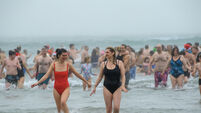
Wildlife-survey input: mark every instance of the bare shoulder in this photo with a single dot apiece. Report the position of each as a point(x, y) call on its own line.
point(120, 63)
point(102, 64)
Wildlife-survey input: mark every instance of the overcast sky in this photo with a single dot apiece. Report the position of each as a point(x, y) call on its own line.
point(26, 18)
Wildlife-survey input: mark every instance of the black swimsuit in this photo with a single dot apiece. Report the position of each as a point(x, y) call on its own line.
point(112, 78)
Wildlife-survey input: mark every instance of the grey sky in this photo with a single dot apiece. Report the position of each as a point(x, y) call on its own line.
point(24, 18)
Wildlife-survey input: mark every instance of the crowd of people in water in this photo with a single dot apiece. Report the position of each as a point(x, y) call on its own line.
point(117, 66)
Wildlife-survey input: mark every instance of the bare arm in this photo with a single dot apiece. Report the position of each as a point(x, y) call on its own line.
point(150, 63)
point(126, 60)
point(72, 69)
point(51, 68)
point(195, 70)
point(100, 77)
point(184, 62)
point(122, 69)
point(3, 65)
point(25, 66)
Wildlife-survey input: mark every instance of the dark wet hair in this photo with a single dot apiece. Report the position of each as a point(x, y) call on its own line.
point(94, 51)
point(196, 44)
point(146, 47)
point(60, 51)
point(71, 45)
point(11, 52)
point(195, 47)
point(113, 51)
point(182, 53)
point(151, 53)
point(146, 58)
point(124, 45)
point(19, 48)
point(175, 48)
point(199, 55)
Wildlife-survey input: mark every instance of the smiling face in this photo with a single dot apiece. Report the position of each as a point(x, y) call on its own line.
point(63, 56)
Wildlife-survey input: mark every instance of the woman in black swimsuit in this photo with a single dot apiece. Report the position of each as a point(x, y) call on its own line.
point(114, 81)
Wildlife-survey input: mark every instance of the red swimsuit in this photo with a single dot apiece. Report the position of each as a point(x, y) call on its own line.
point(61, 80)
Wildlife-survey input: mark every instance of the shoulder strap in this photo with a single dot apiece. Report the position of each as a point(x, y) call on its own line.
point(54, 66)
point(67, 67)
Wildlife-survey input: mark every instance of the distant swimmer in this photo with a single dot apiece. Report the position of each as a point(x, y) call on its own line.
point(86, 69)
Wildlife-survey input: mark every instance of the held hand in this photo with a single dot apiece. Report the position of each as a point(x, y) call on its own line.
point(124, 89)
point(33, 85)
point(93, 91)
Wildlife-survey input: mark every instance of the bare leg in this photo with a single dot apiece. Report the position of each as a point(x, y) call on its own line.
point(57, 99)
point(180, 81)
point(173, 80)
point(200, 90)
point(108, 100)
point(117, 100)
point(21, 82)
point(64, 98)
point(185, 79)
point(89, 87)
point(84, 86)
point(7, 84)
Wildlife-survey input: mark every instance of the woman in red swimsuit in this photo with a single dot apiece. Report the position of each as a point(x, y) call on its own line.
point(61, 91)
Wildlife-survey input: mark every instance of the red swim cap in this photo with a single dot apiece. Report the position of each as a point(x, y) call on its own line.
point(187, 46)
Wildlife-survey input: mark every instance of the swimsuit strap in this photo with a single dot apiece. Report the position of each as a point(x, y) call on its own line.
point(67, 67)
point(54, 66)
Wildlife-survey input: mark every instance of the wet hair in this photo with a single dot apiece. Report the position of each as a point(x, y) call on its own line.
point(94, 51)
point(16, 50)
point(124, 45)
point(196, 44)
point(197, 59)
point(71, 45)
point(163, 47)
point(113, 51)
point(86, 59)
point(60, 51)
point(146, 58)
point(151, 53)
point(38, 51)
point(175, 48)
point(19, 48)
point(195, 47)
point(182, 53)
point(146, 47)
point(11, 52)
